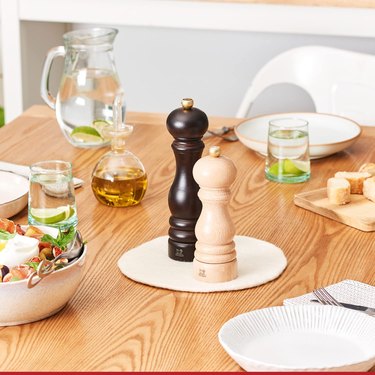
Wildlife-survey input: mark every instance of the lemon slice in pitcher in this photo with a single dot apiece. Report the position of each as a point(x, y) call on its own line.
point(99, 125)
point(86, 134)
point(52, 215)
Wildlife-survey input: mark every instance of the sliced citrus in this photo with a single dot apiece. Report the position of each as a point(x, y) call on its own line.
point(276, 169)
point(71, 213)
point(296, 167)
point(86, 134)
point(3, 244)
point(52, 215)
point(303, 166)
point(99, 125)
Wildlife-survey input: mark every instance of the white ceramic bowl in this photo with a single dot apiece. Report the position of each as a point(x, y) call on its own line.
point(328, 134)
point(14, 191)
point(19, 304)
point(301, 338)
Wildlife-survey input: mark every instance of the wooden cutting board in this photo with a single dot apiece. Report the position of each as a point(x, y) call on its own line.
point(359, 213)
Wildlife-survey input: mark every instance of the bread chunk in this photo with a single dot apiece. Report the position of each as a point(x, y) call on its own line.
point(355, 179)
point(368, 167)
point(369, 188)
point(338, 190)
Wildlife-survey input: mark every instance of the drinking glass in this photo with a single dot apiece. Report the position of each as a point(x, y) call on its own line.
point(288, 159)
point(51, 195)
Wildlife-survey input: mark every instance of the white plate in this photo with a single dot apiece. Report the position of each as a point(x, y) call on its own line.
point(301, 338)
point(13, 194)
point(328, 134)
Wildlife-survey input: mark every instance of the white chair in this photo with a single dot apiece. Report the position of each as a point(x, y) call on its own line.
point(338, 81)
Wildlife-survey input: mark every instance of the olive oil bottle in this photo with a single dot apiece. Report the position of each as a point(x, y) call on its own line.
point(125, 187)
point(119, 178)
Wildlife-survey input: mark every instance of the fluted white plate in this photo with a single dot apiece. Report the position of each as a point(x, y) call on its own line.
point(328, 133)
point(301, 338)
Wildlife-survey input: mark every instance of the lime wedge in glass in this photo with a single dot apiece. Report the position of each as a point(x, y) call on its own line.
point(296, 167)
point(52, 215)
point(277, 168)
point(86, 134)
point(289, 167)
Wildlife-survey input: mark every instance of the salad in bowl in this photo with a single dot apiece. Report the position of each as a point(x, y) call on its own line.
point(23, 251)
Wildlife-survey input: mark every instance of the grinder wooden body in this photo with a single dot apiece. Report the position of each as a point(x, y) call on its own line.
point(187, 125)
point(215, 254)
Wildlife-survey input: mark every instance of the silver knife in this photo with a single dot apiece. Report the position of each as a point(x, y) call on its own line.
point(365, 309)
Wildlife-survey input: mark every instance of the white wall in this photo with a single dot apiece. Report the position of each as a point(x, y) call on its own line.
point(159, 66)
point(36, 39)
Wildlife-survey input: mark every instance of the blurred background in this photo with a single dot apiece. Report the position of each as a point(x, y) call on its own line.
point(160, 65)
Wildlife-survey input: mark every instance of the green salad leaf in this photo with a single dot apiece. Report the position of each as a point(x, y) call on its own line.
point(63, 238)
point(4, 235)
point(33, 265)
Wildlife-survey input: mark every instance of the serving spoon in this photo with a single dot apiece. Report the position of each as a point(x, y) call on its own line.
point(45, 267)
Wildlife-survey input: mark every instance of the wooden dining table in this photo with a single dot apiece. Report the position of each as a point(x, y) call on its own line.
point(113, 323)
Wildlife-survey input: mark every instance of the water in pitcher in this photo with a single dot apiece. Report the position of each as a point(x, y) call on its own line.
point(84, 105)
point(88, 85)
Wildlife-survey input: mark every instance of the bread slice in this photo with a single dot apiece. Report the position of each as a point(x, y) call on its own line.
point(338, 190)
point(368, 167)
point(369, 188)
point(355, 179)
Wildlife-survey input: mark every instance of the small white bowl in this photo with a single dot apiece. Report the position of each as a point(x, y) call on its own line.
point(301, 338)
point(19, 304)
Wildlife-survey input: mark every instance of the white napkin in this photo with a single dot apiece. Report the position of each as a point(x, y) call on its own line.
point(24, 170)
point(347, 291)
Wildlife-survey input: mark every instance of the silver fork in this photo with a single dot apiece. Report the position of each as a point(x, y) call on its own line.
point(325, 298)
point(222, 133)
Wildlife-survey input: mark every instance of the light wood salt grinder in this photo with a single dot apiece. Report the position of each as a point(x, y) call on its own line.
point(215, 255)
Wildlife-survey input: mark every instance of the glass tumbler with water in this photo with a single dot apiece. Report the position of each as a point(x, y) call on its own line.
point(88, 85)
point(288, 159)
point(51, 195)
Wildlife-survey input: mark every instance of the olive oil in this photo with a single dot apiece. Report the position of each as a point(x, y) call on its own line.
point(122, 187)
point(119, 179)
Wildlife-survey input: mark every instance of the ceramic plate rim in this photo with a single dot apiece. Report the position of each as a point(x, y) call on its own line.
point(21, 178)
point(276, 367)
point(273, 115)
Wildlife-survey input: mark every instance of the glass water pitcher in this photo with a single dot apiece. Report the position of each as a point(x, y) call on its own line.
point(88, 86)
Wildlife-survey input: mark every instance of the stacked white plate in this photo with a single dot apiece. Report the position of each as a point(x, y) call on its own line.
point(301, 338)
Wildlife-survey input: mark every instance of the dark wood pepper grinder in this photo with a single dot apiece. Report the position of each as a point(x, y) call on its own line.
point(187, 125)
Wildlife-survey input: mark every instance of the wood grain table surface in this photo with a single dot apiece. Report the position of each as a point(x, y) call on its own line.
point(115, 324)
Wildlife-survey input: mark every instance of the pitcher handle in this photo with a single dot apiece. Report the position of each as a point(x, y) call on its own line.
point(44, 83)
